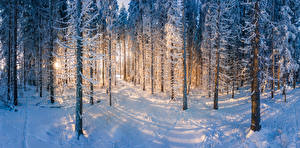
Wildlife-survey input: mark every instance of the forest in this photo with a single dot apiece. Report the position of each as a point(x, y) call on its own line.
point(94, 64)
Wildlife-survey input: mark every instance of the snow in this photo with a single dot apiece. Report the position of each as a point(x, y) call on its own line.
point(141, 120)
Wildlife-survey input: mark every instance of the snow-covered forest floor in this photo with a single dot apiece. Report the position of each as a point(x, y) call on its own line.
point(139, 119)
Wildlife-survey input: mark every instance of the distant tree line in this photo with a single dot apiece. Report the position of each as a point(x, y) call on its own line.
point(169, 46)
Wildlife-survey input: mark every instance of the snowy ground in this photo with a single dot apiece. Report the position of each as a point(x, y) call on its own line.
point(140, 120)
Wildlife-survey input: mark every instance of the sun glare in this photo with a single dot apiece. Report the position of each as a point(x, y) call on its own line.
point(56, 65)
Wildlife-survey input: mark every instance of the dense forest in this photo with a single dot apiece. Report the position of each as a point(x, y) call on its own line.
point(216, 47)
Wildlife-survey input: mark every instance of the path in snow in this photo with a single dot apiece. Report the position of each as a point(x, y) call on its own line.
point(139, 119)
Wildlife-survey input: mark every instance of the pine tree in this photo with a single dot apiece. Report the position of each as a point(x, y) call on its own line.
point(51, 51)
point(78, 19)
point(15, 46)
point(255, 97)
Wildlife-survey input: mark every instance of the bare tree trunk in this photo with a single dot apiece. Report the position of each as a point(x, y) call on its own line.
point(91, 77)
point(65, 65)
point(209, 73)
point(24, 68)
point(120, 59)
point(285, 80)
point(40, 59)
point(172, 75)
point(143, 51)
point(184, 106)
point(284, 88)
point(162, 69)
point(235, 73)
point(15, 43)
point(103, 62)
point(278, 75)
point(197, 75)
point(273, 72)
point(201, 71)
point(273, 53)
point(109, 69)
point(115, 68)
point(255, 97)
point(78, 125)
point(152, 50)
point(216, 94)
point(51, 58)
point(125, 69)
point(135, 66)
point(9, 57)
point(144, 65)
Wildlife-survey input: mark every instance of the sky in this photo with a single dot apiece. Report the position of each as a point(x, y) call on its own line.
point(125, 2)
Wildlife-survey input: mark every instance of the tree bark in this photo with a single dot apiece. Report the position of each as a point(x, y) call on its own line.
point(209, 73)
point(9, 57)
point(51, 58)
point(172, 75)
point(162, 66)
point(216, 93)
point(40, 59)
point(91, 77)
point(125, 69)
point(255, 97)
point(278, 75)
point(109, 69)
point(103, 61)
point(78, 125)
point(152, 50)
point(15, 43)
point(184, 105)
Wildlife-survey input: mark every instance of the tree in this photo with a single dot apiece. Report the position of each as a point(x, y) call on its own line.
point(15, 46)
point(92, 19)
point(51, 51)
point(152, 44)
point(122, 25)
point(78, 21)
point(255, 97)
point(184, 107)
point(217, 57)
point(111, 8)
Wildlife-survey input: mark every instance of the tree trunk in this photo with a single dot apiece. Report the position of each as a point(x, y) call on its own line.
point(143, 52)
point(124, 48)
point(278, 75)
point(120, 59)
point(103, 61)
point(172, 75)
point(162, 68)
point(109, 69)
point(9, 57)
point(209, 73)
point(255, 97)
point(79, 35)
point(152, 49)
point(144, 65)
point(273, 72)
point(184, 106)
point(201, 71)
point(51, 58)
point(91, 77)
point(135, 66)
point(15, 43)
point(40, 59)
point(216, 93)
